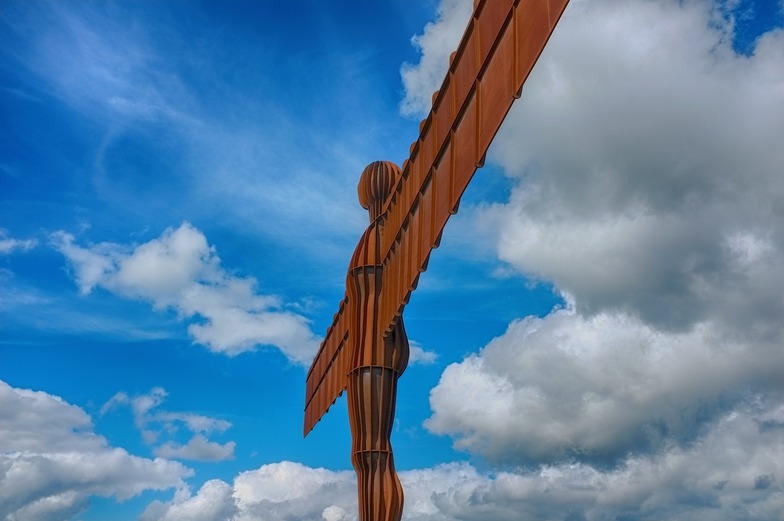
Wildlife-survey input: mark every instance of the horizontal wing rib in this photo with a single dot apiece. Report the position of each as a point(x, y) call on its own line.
point(486, 74)
point(327, 375)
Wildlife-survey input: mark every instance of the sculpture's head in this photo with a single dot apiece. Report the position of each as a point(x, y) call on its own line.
point(376, 183)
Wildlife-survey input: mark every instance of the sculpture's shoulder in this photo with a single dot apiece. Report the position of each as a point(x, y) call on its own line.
point(368, 250)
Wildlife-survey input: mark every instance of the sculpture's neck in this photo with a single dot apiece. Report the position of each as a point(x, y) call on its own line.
point(375, 210)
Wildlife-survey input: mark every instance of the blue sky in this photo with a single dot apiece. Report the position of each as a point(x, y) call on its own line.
point(598, 337)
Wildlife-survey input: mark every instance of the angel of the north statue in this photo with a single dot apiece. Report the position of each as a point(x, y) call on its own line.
point(366, 349)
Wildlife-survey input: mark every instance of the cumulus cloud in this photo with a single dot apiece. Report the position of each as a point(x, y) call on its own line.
point(650, 182)
point(277, 491)
point(181, 271)
point(212, 502)
point(647, 164)
point(646, 161)
point(570, 387)
point(51, 460)
point(154, 424)
point(715, 478)
point(437, 41)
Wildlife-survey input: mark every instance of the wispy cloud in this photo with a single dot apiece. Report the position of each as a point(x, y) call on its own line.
point(197, 448)
point(237, 152)
point(9, 245)
point(154, 423)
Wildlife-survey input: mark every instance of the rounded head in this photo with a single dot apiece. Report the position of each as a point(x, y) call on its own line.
point(375, 184)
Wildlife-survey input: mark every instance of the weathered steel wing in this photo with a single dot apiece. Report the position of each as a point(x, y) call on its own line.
point(326, 378)
point(500, 46)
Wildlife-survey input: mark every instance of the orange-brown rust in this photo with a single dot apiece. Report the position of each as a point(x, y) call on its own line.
point(366, 349)
point(375, 184)
point(376, 361)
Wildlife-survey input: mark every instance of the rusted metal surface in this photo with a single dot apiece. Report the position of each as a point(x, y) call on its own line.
point(366, 349)
point(377, 360)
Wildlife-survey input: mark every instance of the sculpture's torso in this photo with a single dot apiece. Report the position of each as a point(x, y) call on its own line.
point(364, 285)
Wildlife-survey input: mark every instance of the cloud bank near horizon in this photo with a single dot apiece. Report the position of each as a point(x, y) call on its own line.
point(730, 474)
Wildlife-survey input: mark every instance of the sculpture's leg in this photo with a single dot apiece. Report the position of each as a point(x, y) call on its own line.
point(371, 397)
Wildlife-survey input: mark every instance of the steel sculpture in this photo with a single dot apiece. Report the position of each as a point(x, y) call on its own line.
point(366, 349)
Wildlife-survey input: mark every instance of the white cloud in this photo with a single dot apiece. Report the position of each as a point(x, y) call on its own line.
point(731, 472)
point(51, 461)
point(716, 478)
point(157, 424)
point(197, 448)
point(437, 41)
point(639, 174)
point(9, 245)
point(646, 157)
point(277, 491)
point(288, 481)
point(647, 161)
point(194, 422)
point(181, 271)
point(596, 388)
point(289, 490)
point(213, 502)
point(646, 152)
point(419, 355)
